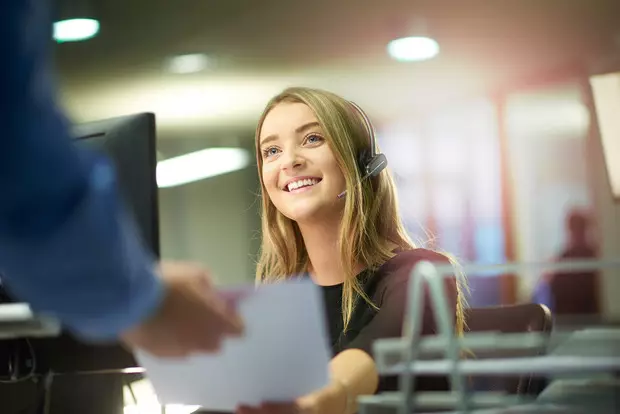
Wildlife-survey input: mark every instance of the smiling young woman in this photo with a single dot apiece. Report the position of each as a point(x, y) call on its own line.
point(311, 148)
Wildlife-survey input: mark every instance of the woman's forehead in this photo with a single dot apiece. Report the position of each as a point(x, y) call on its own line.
point(286, 117)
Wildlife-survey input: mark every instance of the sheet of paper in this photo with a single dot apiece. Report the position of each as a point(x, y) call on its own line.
point(283, 355)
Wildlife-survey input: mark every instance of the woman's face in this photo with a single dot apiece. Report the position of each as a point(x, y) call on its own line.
point(300, 173)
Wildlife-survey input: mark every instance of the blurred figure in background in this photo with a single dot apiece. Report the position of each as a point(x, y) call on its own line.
point(574, 293)
point(579, 229)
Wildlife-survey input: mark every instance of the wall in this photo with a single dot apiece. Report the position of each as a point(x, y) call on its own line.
point(546, 132)
point(447, 170)
point(213, 222)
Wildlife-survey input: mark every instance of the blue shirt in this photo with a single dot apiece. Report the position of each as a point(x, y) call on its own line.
point(67, 247)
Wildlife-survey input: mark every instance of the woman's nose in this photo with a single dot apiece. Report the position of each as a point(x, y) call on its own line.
point(291, 160)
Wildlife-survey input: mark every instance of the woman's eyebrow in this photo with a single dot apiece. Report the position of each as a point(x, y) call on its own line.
point(298, 130)
point(307, 126)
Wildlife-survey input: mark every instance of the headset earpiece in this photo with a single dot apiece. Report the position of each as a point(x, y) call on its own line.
point(375, 165)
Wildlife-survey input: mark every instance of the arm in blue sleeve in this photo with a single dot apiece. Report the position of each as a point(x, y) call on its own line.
point(66, 245)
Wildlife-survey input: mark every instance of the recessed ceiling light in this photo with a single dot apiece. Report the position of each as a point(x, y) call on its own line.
point(413, 49)
point(75, 30)
point(185, 64)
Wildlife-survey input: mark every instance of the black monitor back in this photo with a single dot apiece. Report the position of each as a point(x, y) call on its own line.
point(129, 141)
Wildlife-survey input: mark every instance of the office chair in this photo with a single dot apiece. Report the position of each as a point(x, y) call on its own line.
point(530, 317)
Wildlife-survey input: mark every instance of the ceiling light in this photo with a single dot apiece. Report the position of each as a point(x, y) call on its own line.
point(413, 49)
point(185, 64)
point(199, 165)
point(75, 30)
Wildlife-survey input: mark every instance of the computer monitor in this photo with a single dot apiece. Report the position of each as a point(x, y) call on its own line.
point(129, 141)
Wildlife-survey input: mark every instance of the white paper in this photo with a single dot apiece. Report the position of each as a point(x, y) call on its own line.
point(283, 354)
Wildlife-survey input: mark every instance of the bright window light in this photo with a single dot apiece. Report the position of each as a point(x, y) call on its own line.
point(75, 30)
point(140, 398)
point(185, 64)
point(413, 49)
point(199, 165)
point(156, 409)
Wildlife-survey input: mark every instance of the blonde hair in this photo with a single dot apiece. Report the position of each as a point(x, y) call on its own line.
point(370, 228)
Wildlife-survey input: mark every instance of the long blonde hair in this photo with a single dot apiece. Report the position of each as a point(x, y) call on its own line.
point(370, 228)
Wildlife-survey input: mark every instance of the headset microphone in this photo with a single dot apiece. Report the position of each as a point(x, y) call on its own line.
point(370, 163)
point(381, 164)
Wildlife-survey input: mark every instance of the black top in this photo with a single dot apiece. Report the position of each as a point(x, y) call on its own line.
point(387, 288)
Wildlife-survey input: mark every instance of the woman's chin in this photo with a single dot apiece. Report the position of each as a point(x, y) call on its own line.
point(316, 215)
point(310, 209)
point(303, 215)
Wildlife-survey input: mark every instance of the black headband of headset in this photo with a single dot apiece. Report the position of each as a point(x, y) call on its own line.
point(369, 128)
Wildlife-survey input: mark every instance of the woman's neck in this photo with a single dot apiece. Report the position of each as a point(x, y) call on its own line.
point(321, 241)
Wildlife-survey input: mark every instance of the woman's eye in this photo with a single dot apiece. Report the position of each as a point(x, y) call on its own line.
point(313, 139)
point(270, 151)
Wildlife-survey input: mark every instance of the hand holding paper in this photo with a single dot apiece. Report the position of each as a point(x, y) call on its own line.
point(283, 355)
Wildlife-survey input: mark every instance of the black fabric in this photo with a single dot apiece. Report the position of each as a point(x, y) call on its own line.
point(387, 287)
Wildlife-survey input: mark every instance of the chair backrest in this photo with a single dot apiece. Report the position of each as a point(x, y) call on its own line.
point(530, 317)
point(575, 293)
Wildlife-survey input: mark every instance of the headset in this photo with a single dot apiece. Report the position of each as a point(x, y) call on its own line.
point(370, 162)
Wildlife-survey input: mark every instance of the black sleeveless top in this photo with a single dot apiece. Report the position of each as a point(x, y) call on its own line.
point(387, 287)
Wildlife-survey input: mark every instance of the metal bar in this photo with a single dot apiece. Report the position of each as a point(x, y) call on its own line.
point(445, 400)
point(566, 265)
point(514, 366)
point(471, 341)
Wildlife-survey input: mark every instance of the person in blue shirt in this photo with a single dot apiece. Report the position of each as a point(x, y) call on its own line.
point(67, 246)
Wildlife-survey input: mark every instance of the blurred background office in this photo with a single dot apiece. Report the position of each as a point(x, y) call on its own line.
point(494, 116)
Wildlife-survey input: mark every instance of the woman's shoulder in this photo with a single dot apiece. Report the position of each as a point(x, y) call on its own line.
point(409, 258)
point(397, 269)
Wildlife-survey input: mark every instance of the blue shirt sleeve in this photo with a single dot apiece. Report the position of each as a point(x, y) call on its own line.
point(66, 244)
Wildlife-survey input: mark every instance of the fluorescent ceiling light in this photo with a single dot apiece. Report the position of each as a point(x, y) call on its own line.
point(75, 30)
point(413, 48)
point(185, 64)
point(200, 165)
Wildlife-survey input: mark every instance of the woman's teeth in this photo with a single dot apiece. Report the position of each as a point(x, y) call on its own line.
point(302, 183)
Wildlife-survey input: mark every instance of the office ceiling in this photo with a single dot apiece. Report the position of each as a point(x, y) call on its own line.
point(260, 47)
